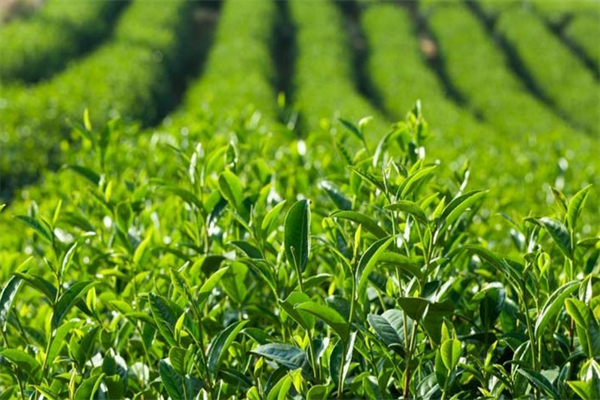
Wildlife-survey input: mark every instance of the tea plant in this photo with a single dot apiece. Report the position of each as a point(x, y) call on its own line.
point(40, 46)
point(208, 271)
point(147, 45)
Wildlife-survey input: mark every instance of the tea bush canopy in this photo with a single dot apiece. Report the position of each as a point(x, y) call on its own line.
point(300, 200)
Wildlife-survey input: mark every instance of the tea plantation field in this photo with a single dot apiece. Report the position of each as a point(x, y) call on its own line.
point(300, 199)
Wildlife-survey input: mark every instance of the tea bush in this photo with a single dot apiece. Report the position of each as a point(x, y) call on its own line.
point(553, 69)
point(198, 274)
point(581, 32)
point(324, 79)
point(237, 81)
point(139, 87)
point(38, 47)
point(480, 71)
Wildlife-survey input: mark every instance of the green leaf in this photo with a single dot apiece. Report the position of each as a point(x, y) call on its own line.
point(231, 189)
point(406, 264)
point(268, 222)
point(46, 392)
point(585, 390)
point(389, 327)
point(165, 316)
point(280, 390)
point(24, 362)
point(450, 353)
point(366, 222)
point(318, 392)
point(297, 235)
point(247, 248)
point(87, 390)
point(286, 355)
point(559, 234)
point(9, 292)
point(540, 381)
point(352, 128)
point(220, 345)
point(68, 259)
point(576, 205)
point(177, 359)
point(59, 340)
point(37, 226)
point(304, 319)
point(587, 327)
point(171, 380)
point(39, 284)
point(185, 195)
point(368, 260)
point(209, 285)
point(553, 305)
point(341, 201)
point(86, 173)
point(411, 208)
point(457, 207)
point(411, 182)
point(68, 299)
point(329, 316)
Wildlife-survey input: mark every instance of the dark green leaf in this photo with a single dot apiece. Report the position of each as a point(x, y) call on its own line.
point(171, 380)
point(24, 362)
point(297, 234)
point(68, 300)
point(37, 226)
point(329, 316)
point(9, 292)
point(540, 381)
point(288, 356)
point(553, 306)
point(367, 223)
point(220, 345)
point(411, 208)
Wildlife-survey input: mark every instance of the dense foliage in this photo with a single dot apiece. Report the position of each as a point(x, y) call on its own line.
point(238, 215)
point(37, 47)
point(146, 46)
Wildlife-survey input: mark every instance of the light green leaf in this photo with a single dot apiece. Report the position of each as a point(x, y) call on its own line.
point(329, 316)
point(450, 353)
point(553, 306)
point(576, 205)
point(231, 189)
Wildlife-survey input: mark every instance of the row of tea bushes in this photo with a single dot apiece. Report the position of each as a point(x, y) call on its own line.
point(324, 83)
point(401, 76)
point(558, 73)
point(131, 75)
point(38, 47)
point(238, 78)
point(582, 32)
point(210, 288)
point(546, 147)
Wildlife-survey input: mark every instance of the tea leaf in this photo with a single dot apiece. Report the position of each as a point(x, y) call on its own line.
point(297, 235)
